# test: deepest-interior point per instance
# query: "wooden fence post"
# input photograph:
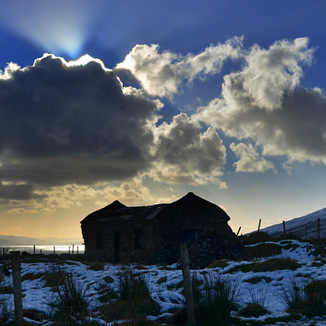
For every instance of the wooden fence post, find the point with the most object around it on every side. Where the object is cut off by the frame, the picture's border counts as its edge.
(17, 284)
(259, 223)
(284, 230)
(187, 284)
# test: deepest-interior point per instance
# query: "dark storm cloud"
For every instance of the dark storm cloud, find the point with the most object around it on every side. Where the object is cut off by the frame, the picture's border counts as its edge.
(61, 124)
(185, 154)
(18, 192)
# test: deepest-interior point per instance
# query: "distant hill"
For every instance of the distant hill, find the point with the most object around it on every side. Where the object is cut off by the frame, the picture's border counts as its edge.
(304, 226)
(10, 240)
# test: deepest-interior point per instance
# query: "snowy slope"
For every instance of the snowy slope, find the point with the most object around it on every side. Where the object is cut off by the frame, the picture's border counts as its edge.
(163, 281)
(304, 227)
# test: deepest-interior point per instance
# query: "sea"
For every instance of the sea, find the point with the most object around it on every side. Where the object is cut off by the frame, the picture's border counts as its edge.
(44, 249)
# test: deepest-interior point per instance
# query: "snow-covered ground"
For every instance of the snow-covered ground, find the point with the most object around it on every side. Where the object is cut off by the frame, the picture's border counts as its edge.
(164, 281)
(304, 226)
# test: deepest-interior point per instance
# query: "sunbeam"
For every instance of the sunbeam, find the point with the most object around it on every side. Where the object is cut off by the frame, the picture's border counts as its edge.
(57, 27)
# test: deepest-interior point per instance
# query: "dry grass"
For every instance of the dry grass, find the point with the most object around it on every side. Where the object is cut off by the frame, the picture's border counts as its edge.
(269, 265)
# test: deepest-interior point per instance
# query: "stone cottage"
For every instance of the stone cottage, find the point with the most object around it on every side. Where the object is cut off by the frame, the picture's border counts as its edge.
(152, 234)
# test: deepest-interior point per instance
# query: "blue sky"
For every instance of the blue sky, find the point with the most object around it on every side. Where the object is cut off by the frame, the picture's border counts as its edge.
(222, 98)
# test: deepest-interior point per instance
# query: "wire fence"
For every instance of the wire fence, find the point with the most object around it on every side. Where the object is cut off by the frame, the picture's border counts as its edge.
(43, 249)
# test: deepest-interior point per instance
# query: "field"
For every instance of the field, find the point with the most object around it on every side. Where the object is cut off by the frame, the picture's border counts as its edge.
(286, 281)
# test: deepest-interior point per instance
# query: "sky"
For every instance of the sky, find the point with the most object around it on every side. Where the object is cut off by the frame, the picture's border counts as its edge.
(144, 101)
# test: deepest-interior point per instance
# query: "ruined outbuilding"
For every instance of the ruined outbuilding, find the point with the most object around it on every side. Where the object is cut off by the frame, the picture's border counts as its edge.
(152, 234)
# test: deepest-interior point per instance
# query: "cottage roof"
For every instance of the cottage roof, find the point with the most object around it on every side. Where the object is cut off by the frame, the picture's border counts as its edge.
(194, 206)
(190, 206)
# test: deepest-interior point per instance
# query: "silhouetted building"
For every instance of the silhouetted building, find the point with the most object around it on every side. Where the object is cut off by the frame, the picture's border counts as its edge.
(152, 234)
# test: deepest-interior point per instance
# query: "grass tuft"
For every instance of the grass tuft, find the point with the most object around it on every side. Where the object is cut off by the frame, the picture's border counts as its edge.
(306, 299)
(71, 308)
(134, 301)
(214, 299)
(5, 314)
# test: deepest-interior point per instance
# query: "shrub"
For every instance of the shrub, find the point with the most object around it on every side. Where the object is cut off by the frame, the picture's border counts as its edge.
(162, 280)
(293, 296)
(317, 263)
(269, 265)
(5, 315)
(289, 245)
(255, 237)
(257, 279)
(6, 289)
(253, 310)
(106, 294)
(315, 298)
(53, 279)
(175, 286)
(264, 250)
(134, 301)
(306, 299)
(71, 308)
(108, 279)
(217, 301)
(140, 267)
(31, 276)
(97, 266)
(316, 288)
(54, 276)
(256, 307)
(213, 302)
(218, 263)
(141, 321)
(319, 250)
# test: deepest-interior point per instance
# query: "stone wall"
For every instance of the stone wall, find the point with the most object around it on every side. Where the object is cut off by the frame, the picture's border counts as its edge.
(119, 243)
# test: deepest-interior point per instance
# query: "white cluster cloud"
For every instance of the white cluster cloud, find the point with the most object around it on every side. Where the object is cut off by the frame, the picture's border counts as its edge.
(249, 159)
(264, 102)
(161, 74)
(270, 73)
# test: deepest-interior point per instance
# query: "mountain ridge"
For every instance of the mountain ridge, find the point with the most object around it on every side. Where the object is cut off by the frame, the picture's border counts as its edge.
(12, 240)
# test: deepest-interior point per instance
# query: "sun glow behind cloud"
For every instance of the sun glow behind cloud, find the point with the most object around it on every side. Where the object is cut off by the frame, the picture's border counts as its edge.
(42, 27)
(84, 60)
